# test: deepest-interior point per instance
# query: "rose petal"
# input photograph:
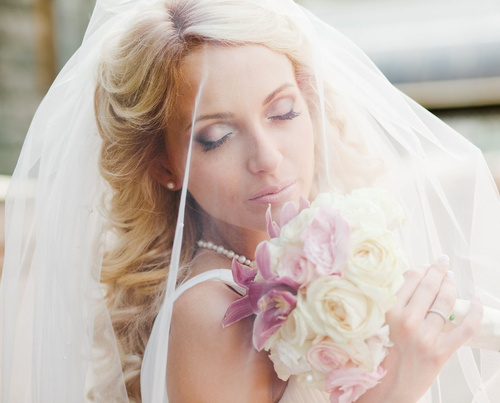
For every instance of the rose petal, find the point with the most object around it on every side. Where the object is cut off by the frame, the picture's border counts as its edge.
(346, 385)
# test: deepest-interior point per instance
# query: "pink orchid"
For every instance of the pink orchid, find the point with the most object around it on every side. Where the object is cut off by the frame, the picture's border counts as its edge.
(271, 301)
(273, 306)
(241, 308)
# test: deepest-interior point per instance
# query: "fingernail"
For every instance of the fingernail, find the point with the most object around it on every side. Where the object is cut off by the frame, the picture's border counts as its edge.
(450, 274)
(444, 261)
(480, 295)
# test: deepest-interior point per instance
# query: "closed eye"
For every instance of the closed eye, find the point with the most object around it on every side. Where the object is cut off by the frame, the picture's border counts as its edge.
(282, 109)
(214, 135)
(212, 145)
(287, 116)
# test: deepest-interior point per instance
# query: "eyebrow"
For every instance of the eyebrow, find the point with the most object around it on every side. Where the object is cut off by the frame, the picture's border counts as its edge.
(224, 115)
(273, 94)
(228, 115)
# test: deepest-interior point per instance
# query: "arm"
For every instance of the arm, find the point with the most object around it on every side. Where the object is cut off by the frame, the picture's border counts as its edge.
(420, 346)
(208, 363)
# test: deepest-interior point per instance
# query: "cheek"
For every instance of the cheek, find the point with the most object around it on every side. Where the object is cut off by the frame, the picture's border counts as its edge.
(213, 184)
(304, 140)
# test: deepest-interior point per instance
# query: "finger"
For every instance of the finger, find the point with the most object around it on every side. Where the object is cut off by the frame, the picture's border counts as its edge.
(466, 329)
(412, 279)
(428, 288)
(439, 312)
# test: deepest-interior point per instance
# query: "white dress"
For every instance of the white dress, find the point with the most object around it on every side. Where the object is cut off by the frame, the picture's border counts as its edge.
(294, 392)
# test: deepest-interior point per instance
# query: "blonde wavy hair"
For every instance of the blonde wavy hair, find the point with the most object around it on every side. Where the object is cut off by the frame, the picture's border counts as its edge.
(135, 94)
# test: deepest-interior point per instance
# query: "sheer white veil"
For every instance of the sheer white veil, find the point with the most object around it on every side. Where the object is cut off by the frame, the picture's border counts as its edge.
(54, 323)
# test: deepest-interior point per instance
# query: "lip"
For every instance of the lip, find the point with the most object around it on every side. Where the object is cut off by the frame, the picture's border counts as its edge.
(275, 193)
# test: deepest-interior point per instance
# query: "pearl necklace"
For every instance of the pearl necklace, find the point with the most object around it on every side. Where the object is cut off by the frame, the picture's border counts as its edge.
(225, 252)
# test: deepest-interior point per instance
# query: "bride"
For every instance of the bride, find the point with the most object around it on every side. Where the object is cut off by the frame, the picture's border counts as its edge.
(171, 130)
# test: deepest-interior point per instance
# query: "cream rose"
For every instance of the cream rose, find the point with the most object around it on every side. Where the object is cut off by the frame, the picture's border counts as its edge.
(376, 265)
(378, 345)
(288, 360)
(391, 209)
(361, 213)
(295, 331)
(337, 308)
(291, 232)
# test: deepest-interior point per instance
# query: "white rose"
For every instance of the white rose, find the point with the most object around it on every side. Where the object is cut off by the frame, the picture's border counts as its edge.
(276, 252)
(291, 232)
(392, 210)
(337, 308)
(378, 345)
(326, 199)
(288, 360)
(376, 265)
(361, 212)
(295, 330)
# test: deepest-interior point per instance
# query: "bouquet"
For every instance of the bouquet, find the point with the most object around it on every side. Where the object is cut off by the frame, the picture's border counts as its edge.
(324, 282)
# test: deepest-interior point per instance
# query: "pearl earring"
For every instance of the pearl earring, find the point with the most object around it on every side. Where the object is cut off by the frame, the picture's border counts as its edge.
(170, 185)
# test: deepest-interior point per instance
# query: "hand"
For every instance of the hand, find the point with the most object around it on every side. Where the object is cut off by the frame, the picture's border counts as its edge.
(420, 346)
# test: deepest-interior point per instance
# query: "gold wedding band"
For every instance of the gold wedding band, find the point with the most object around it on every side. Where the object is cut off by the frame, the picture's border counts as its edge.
(438, 312)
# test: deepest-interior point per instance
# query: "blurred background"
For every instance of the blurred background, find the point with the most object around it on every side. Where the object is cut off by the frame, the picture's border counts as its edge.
(443, 53)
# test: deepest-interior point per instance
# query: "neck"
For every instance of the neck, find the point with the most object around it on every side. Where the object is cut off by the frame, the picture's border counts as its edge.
(240, 240)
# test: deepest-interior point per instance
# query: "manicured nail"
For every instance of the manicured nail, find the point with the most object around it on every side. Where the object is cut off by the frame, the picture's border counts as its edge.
(450, 274)
(480, 295)
(444, 261)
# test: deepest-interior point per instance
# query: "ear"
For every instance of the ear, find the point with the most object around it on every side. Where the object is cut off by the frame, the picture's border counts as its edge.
(162, 173)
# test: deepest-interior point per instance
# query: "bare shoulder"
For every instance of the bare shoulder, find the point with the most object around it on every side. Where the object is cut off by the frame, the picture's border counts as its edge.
(208, 362)
(203, 306)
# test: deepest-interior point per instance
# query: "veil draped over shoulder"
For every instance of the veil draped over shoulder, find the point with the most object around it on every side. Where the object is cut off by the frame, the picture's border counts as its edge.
(64, 248)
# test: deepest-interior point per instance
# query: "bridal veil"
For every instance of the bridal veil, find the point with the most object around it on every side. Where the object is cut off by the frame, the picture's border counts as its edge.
(57, 336)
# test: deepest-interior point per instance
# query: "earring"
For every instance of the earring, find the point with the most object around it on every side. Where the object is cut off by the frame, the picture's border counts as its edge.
(171, 185)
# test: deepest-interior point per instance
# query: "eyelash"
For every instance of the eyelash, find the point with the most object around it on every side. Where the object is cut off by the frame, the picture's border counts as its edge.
(212, 145)
(287, 116)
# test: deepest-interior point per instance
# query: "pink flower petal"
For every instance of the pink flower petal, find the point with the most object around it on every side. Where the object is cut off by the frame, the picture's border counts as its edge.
(347, 384)
(238, 310)
(263, 260)
(264, 329)
(303, 204)
(243, 275)
(273, 229)
(327, 241)
(255, 293)
(275, 306)
(288, 212)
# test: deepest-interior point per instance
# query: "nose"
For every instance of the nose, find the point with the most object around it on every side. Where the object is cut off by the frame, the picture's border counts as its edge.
(264, 151)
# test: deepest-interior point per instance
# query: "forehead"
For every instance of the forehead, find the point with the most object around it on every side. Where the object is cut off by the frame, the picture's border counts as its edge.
(229, 75)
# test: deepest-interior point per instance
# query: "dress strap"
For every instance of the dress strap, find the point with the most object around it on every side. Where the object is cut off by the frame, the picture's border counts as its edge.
(223, 275)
